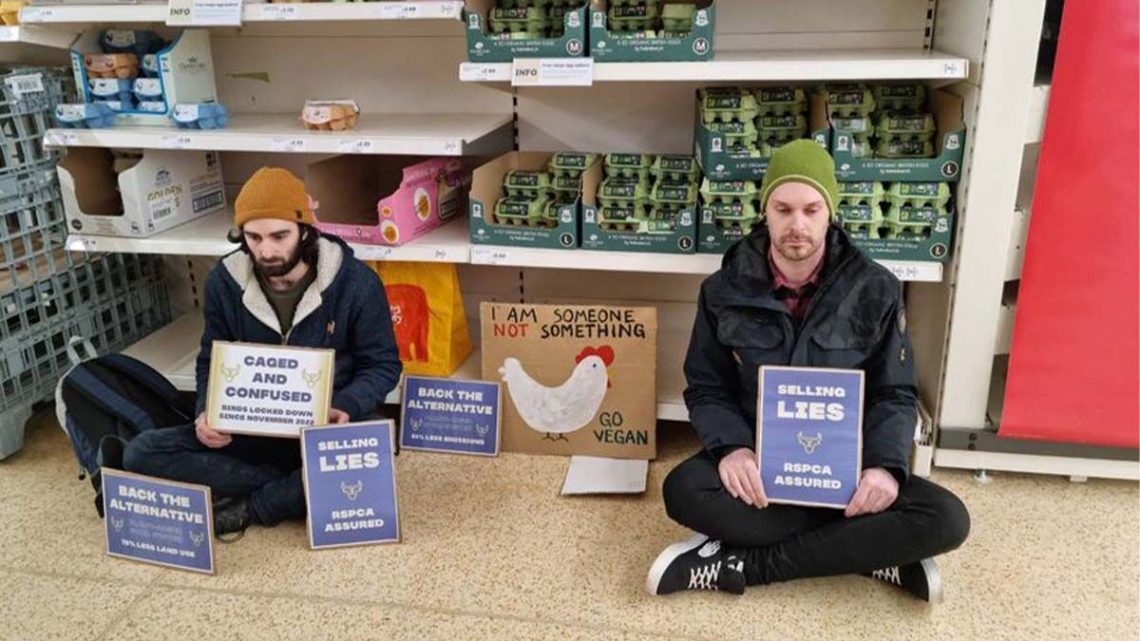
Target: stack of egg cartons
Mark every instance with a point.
(674, 190)
(566, 169)
(781, 117)
(850, 107)
(528, 201)
(913, 208)
(732, 112)
(861, 209)
(904, 127)
(733, 203)
(530, 19)
(623, 196)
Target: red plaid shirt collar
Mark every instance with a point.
(795, 299)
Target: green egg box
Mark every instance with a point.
(632, 25)
(727, 191)
(627, 11)
(782, 122)
(726, 105)
(676, 168)
(732, 214)
(735, 128)
(859, 125)
(861, 193)
(860, 214)
(905, 233)
(900, 96)
(628, 165)
(622, 192)
(520, 210)
(781, 99)
(526, 183)
(849, 100)
(904, 149)
(922, 194)
(889, 123)
(859, 231)
(571, 163)
(914, 216)
(669, 196)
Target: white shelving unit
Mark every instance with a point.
(760, 66)
(251, 12)
(36, 36)
(405, 134)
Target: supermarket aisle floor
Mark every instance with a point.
(492, 552)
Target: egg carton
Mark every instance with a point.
(903, 216)
(149, 66)
(119, 106)
(203, 115)
(330, 115)
(859, 194)
(727, 191)
(111, 65)
(566, 189)
(671, 197)
(523, 211)
(528, 184)
(912, 233)
(904, 149)
(133, 41)
(738, 135)
(92, 115)
(152, 106)
(905, 96)
(147, 89)
(111, 89)
(678, 17)
(929, 194)
(862, 231)
(779, 137)
(616, 218)
(670, 168)
(858, 125)
(628, 165)
(532, 20)
(623, 192)
(772, 101)
(727, 104)
(632, 25)
(905, 125)
(860, 215)
(570, 163)
(736, 214)
(849, 100)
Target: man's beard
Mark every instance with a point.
(275, 269)
(797, 253)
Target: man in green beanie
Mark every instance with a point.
(796, 292)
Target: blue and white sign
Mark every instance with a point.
(157, 521)
(350, 484)
(809, 436)
(444, 415)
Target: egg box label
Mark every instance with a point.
(576, 379)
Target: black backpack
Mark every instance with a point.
(103, 402)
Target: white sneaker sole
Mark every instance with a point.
(666, 558)
(933, 581)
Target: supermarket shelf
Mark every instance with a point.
(206, 236)
(599, 260)
(252, 12)
(875, 64)
(37, 36)
(173, 351)
(1038, 107)
(413, 134)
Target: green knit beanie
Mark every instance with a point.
(803, 161)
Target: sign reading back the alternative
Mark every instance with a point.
(809, 437)
(266, 390)
(157, 521)
(443, 415)
(350, 484)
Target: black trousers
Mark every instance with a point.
(785, 542)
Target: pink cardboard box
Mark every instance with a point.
(386, 200)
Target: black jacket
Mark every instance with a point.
(855, 321)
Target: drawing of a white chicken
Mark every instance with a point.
(557, 411)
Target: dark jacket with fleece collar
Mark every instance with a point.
(855, 320)
(345, 309)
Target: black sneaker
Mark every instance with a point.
(696, 564)
(231, 515)
(922, 579)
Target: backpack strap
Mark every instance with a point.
(147, 376)
(109, 400)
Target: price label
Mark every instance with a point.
(36, 14)
(175, 142)
(279, 12)
(451, 9)
(58, 138)
(355, 146)
(204, 13)
(479, 72)
(488, 256)
(451, 147)
(400, 11)
(291, 145)
(552, 72)
(441, 254)
(954, 69)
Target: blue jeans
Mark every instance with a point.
(265, 471)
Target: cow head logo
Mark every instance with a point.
(311, 380)
(352, 491)
(117, 523)
(416, 424)
(809, 443)
(230, 373)
(482, 430)
(196, 538)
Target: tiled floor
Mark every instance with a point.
(491, 551)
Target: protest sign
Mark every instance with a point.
(157, 521)
(444, 415)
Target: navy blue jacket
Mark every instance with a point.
(855, 321)
(345, 309)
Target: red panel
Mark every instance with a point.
(1073, 373)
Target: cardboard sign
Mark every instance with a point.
(578, 379)
(264, 390)
(809, 435)
(350, 484)
(443, 415)
(159, 522)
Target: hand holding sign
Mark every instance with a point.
(208, 436)
(740, 477)
(877, 491)
(337, 417)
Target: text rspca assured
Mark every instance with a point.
(809, 435)
(265, 390)
(350, 484)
